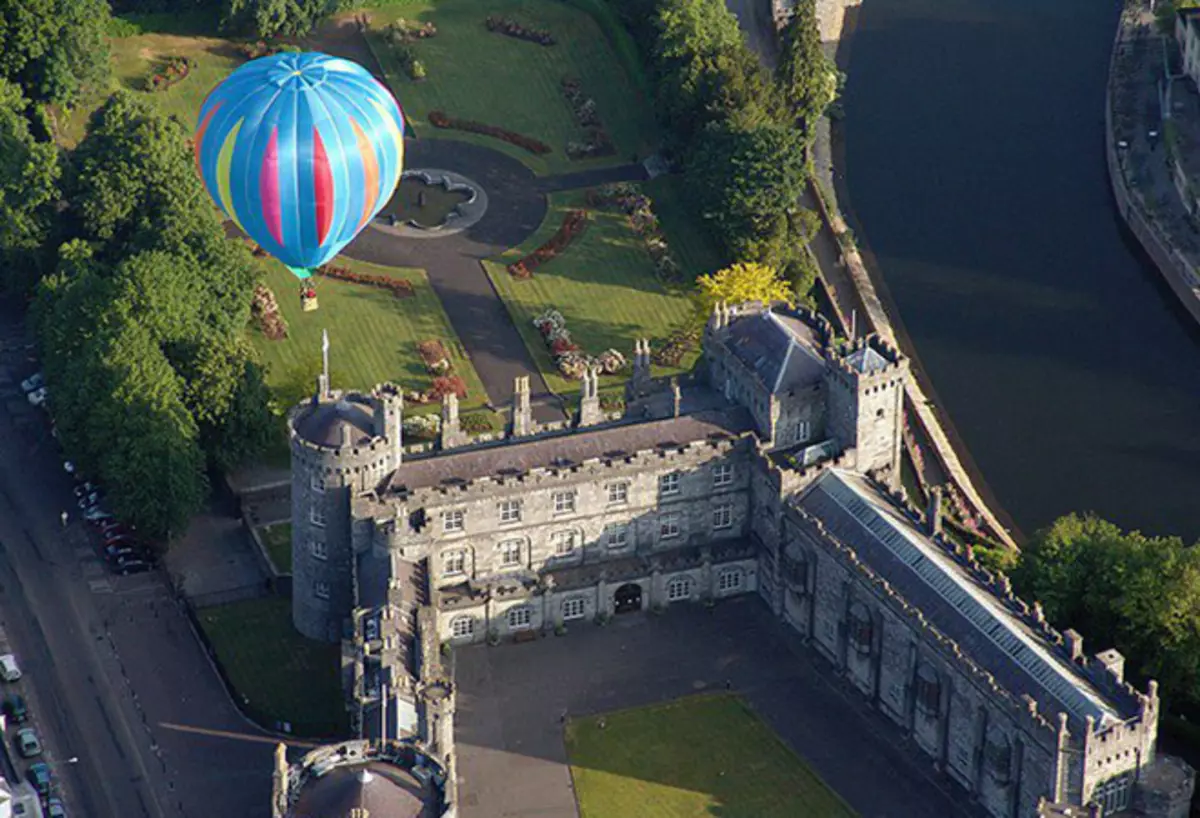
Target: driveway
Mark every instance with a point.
(511, 699)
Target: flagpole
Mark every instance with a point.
(325, 359)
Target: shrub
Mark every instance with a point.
(438, 119)
(598, 142)
(265, 310)
(399, 287)
(446, 385)
(510, 27)
(475, 423)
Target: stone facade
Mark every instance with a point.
(776, 474)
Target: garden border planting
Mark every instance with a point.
(574, 225)
(511, 28)
(439, 119)
(399, 287)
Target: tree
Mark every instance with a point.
(807, 78)
(747, 185)
(54, 48)
(275, 18)
(29, 172)
(744, 281)
(1140, 594)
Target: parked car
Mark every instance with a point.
(33, 383)
(16, 709)
(126, 567)
(55, 808)
(27, 743)
(84, 489)
(9, 670)
(39, 777)
(97, 515)
(89, 500)
(38, 396)
(120, 555)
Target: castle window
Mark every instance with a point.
(722, 474)
(928, 692)
(795, 572)
(321, 589)
(1114, 794)
(316, 514)
(616, 535)
(521, 618)
(668, 526)
(573, 608)
(564, 502)
(453, 521)
(722, 516)
(998, 753)
(668, 484)
(462, 627)
(878, 413)
(564, 542)
(510, 511)
(318, 548)
(454, 562)
(678, 589)
(860, 628)
(510, 553)
(730, 580)
(618, 494)
(317, 483)
(800, 432)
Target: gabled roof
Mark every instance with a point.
(952, 601)
(780, 348)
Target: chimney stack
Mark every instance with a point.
(522, 413)
(1074, 642)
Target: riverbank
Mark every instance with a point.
(1160, 224)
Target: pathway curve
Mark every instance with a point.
(517, 206)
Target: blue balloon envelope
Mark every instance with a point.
(301, 151)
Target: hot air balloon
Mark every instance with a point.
(300, 151)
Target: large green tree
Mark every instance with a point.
(1140, 594)
(807, 79)
(54, 48)
(273, 18)
(748, 185)
(29, 173)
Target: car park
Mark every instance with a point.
(28, 744)
(55, 808)
(9, 670)
(40, 777)
(16, 709)
(33, 383)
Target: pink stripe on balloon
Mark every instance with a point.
(268, 188)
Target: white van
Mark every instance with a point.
(8, 668)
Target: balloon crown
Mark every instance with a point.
(296, 71)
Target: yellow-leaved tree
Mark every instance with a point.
(744, 281)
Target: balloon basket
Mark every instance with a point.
(308, 301)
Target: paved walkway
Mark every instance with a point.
(511, 699)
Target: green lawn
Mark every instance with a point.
(492, 78)
(699, 756)
(278, 541)
(603, 284)
(278, 674)
(372, 335)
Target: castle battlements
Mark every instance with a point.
(869, 362)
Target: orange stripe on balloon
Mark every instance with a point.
(370, 173)
(322, 187)
(199, 140)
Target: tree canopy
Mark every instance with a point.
(739, 283)
(54, 49)
(275, 18)
(1140, 594)
(29, 175)
(807, 79)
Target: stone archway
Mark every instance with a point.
(628, 598)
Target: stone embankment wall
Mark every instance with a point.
(1179, 273)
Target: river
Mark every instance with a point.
(974, 160)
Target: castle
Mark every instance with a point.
(774, 472)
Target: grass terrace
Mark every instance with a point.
(498, 80)
(279, 675)
(277, 539)
(373, 335)
(707, 755)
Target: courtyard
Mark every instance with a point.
(512, 700)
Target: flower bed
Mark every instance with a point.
(266, 314)
(574, 224)
(475, 423)
(434, 356)
(405, 31)
(510, 27)
(175, 71)
(571, 361)
(438, 119)
(677, 345)
(640, 210)
(422, 427)
(399, 287)
(598, 142)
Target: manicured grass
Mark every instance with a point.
(604, 285)
(492, 78)
(372, 335)
(698, 756)
(696, 252)
(278, 541)
(279, 675)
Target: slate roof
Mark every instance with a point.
(867, 360)
(521, 456)
(322, 424)
(951, 600)
(782, 349)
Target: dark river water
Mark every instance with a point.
(974, 158)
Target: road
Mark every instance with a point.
(113, 674)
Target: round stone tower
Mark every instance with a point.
(342, 445)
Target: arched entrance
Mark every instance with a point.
(628, 598)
